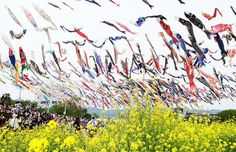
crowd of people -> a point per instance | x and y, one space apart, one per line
17 116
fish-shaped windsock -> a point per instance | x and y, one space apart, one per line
54 5
113 25
221 28
220 44
182 44
78 31
18 35
88 71
190 72
67 5
23 59
12 57
181 2
141 20
22 56
98 61
125 27
30 18
93 2
6 40
233 10
197 22
209 17
168 31
192 36
146 2
44 15
13 16
114 3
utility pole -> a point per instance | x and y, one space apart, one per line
20 93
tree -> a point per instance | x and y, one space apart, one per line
227 115
95 115
32 104
41 110
58 109
71 110
6 99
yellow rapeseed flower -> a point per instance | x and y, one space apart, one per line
38 144
80 150
112 144
174 149
123 150
137 130
233 146
52 124
57 140
68 142
103 150
148 136
134 146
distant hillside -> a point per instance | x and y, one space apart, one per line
110 113
212 111
113 113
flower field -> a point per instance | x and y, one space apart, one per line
137 129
